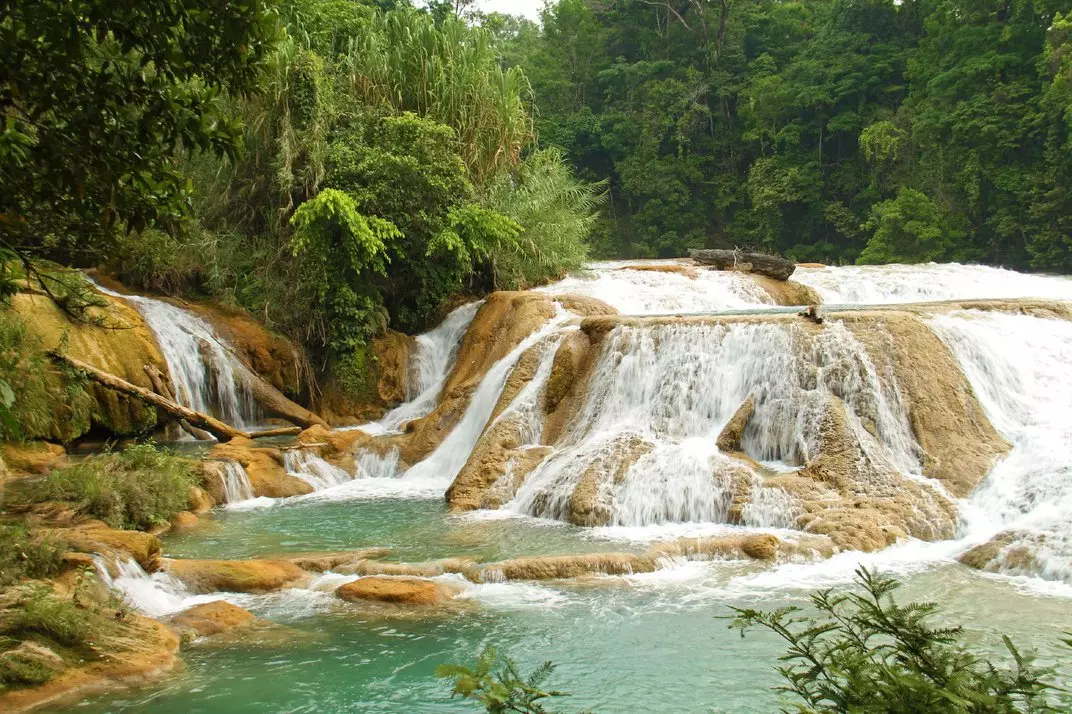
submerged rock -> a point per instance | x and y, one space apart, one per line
556 567
212 618
397 591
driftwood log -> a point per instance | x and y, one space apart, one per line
160 386
221 430
770 265
265 395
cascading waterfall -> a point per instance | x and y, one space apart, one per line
236 485
443 464
205 385
312 469
660 395
891 284
1021 370
432 360
637 292
156 595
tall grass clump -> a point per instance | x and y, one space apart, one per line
137 488
26 555
449 73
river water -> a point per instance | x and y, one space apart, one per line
658 641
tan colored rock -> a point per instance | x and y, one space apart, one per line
98 537
430 569
568 366
122 352
568 566
761 546
323 562
139 651
689 271
959 443
184 520
213 618
34 457
200 501
389 373
590 502
786 292
397 591
264 466
490 460
240 576
729 439
1010 552
584 305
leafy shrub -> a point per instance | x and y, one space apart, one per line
865 653
26 555
136 488
500 690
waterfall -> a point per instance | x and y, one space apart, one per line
372 465
312 469
1021 370
433 357
888 284
443 464
646 292
236 485
156 595
660 394
207 386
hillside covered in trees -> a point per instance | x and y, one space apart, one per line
831 130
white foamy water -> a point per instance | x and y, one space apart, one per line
236 485
889 284
433 357
1021 370
201 364
660 395
156 595
450 456
312 469
645 292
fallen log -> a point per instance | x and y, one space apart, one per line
160 386
770 265
278 431
219 429
265 395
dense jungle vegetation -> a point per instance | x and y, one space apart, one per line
340 166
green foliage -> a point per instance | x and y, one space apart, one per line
449 72
137 488
500 690
17 670
787 125
53 617
908 229
863 652
556 212
98 96
35 397
26 555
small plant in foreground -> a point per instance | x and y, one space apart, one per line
139 487
865 653
26 555
500 690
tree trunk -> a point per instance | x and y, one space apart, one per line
222 431
770 265
160 386
265 395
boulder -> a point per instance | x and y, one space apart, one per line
200 501
787 292
397 591
184 520
99 537
264 466
240 576
761 546
212 618
121 344
34 457
387 380
556 567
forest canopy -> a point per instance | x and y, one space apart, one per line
827 130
